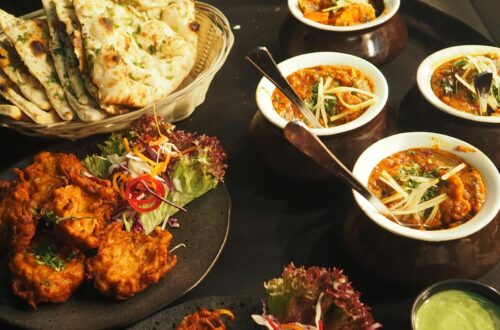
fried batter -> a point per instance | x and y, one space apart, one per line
80 176
128 262
81 216
44 274
17 224
59 183
44 176
205 320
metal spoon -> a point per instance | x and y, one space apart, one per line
262 59
303 139
482 83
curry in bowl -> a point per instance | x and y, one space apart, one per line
453 83
428 188
338 12
335 94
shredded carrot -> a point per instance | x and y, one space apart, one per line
120 187
144 158
115 184
156 121
188 150
127 145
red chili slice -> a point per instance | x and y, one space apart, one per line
133 190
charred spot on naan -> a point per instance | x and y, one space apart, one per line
37 48
107 24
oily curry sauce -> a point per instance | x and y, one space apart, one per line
445 86
465 190
304 81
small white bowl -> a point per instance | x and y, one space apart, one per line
266 88
431 63
400 142
392 7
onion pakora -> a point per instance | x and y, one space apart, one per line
205 320
128 262
46 273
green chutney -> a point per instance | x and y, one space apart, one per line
458 310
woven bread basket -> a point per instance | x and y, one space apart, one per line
215 40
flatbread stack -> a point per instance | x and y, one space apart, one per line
90 59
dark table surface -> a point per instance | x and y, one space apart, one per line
274 221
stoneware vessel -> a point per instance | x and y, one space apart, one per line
417 257
346 140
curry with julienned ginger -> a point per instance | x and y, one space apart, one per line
335 94
428 188
453 83
338 12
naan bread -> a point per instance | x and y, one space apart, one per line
67 69
66 14
30 38
136 57
8 91
29 86
10 111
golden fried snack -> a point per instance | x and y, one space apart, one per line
205 320
44 274
44 175
73 168
128 262
79 216
17 224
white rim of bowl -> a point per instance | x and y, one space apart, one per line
293 6
265 88
431 63
404 141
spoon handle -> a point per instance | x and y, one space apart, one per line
301 137
262 59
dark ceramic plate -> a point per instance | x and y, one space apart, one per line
204 229
242 308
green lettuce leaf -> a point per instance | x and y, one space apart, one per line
112 146
191 178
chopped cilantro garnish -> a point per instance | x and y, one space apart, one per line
46 255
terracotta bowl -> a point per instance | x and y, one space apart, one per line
391 8
411 256
379 44
346 140
418 114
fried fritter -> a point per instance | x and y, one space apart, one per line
59 183
44 176
17 224
22 197
73 168
205 320
81 216
45 274
128 262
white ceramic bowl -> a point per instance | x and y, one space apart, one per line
392 7
400 142
266 88
431 63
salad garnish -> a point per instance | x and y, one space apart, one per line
157 170
314 299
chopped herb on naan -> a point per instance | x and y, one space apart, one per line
29 86
67 69
9 92
134 59
31 40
